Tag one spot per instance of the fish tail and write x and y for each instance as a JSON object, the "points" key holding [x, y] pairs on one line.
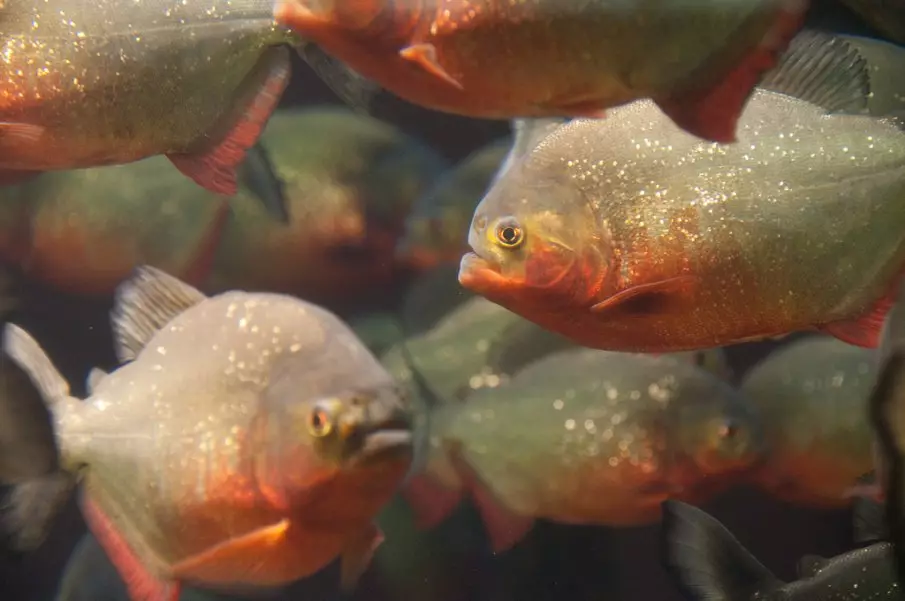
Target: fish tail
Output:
{"points": [[706, 561], [32, 391]]}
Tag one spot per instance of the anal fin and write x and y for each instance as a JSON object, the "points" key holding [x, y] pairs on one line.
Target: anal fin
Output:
{"points": [[431, 503], [215, 167], [712, 113], [505, 528], [141, 584], [865, 330]]}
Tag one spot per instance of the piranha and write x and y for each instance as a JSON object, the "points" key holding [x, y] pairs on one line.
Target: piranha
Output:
{"points": [[707, 562], [89, 83], [548, 58], [585, 437], [248, 441], [812, 397], [629, 234]]}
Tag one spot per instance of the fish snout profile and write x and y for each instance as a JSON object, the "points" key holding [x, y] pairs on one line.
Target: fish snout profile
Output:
{"points": [[376, 424]]}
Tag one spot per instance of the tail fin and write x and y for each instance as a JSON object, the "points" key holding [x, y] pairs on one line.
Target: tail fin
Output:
{"points": [[705, 561], [887, 416], [30, 454]]}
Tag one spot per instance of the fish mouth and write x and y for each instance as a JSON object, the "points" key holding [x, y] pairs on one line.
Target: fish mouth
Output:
{"points": [[390, 439], [477, 273]]}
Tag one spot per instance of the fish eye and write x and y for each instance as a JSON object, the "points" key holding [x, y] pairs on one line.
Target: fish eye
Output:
{"points": [[320, 422], [509, 233]]}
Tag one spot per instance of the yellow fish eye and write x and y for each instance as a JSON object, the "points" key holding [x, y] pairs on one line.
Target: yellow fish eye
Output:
{"points": [[509, 233], [320, 422]]}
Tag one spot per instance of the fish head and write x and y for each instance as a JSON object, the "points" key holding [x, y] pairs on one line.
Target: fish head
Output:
{"points": [[318, 443], [536, 247], [720, 434]]}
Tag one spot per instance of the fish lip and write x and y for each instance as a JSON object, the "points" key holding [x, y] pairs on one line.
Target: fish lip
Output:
{"points": [[476, 272], [384, 441]]}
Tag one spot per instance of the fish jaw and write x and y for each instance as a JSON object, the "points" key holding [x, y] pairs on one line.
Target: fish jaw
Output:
{"points": [[380, 444], [479, 275]]}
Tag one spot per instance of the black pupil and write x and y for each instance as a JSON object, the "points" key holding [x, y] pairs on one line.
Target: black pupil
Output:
{"points": [[731, 430], [509, 234], [318, 420]]}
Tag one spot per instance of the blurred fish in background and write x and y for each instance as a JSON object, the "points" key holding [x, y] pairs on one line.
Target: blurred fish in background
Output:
{"points": [[812, 397], [436, 230], [348, 188]]}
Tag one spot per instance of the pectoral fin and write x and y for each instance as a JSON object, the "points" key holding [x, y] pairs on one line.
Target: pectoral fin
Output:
{"points": [[234, 557], [357, 556], [425, 56], [645, 298]]}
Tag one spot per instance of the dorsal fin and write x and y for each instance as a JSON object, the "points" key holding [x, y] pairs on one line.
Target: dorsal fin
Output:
{"points": [[526, 135], [823, 69], [94, 378], [144, 304]]}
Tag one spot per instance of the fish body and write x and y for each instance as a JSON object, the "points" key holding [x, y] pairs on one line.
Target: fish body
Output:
{"points": [[812, 396], [586, 437], [707, 562], [349, 181], [249, 442], [89, 83], [435, 229], [629, 234], [496, 59], [347, 194]]}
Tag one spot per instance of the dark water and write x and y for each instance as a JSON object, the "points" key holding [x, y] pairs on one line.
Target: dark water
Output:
{"points": [[555, 562]]}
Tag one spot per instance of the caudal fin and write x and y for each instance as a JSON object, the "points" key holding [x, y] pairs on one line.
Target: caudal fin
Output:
{"points": [[705, 561], [30, 388]]}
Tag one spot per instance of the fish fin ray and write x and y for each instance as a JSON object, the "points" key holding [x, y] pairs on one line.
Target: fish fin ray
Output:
{"points": [[94, 379], [823, 69], [232, 556], [637, 294], [425, 56], [712, 113], [140, 582], [870, 520], [431, 503], [144, 304], [30, 507], [357, 555], [705, 560], [864, 331], [215, 168], [505, 528]]}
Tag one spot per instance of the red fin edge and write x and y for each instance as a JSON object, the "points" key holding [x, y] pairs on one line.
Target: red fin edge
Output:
{"points": [[866, 330], [505, 528], [431, 503], [713, 113], [215, 169], [142, 586]]}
